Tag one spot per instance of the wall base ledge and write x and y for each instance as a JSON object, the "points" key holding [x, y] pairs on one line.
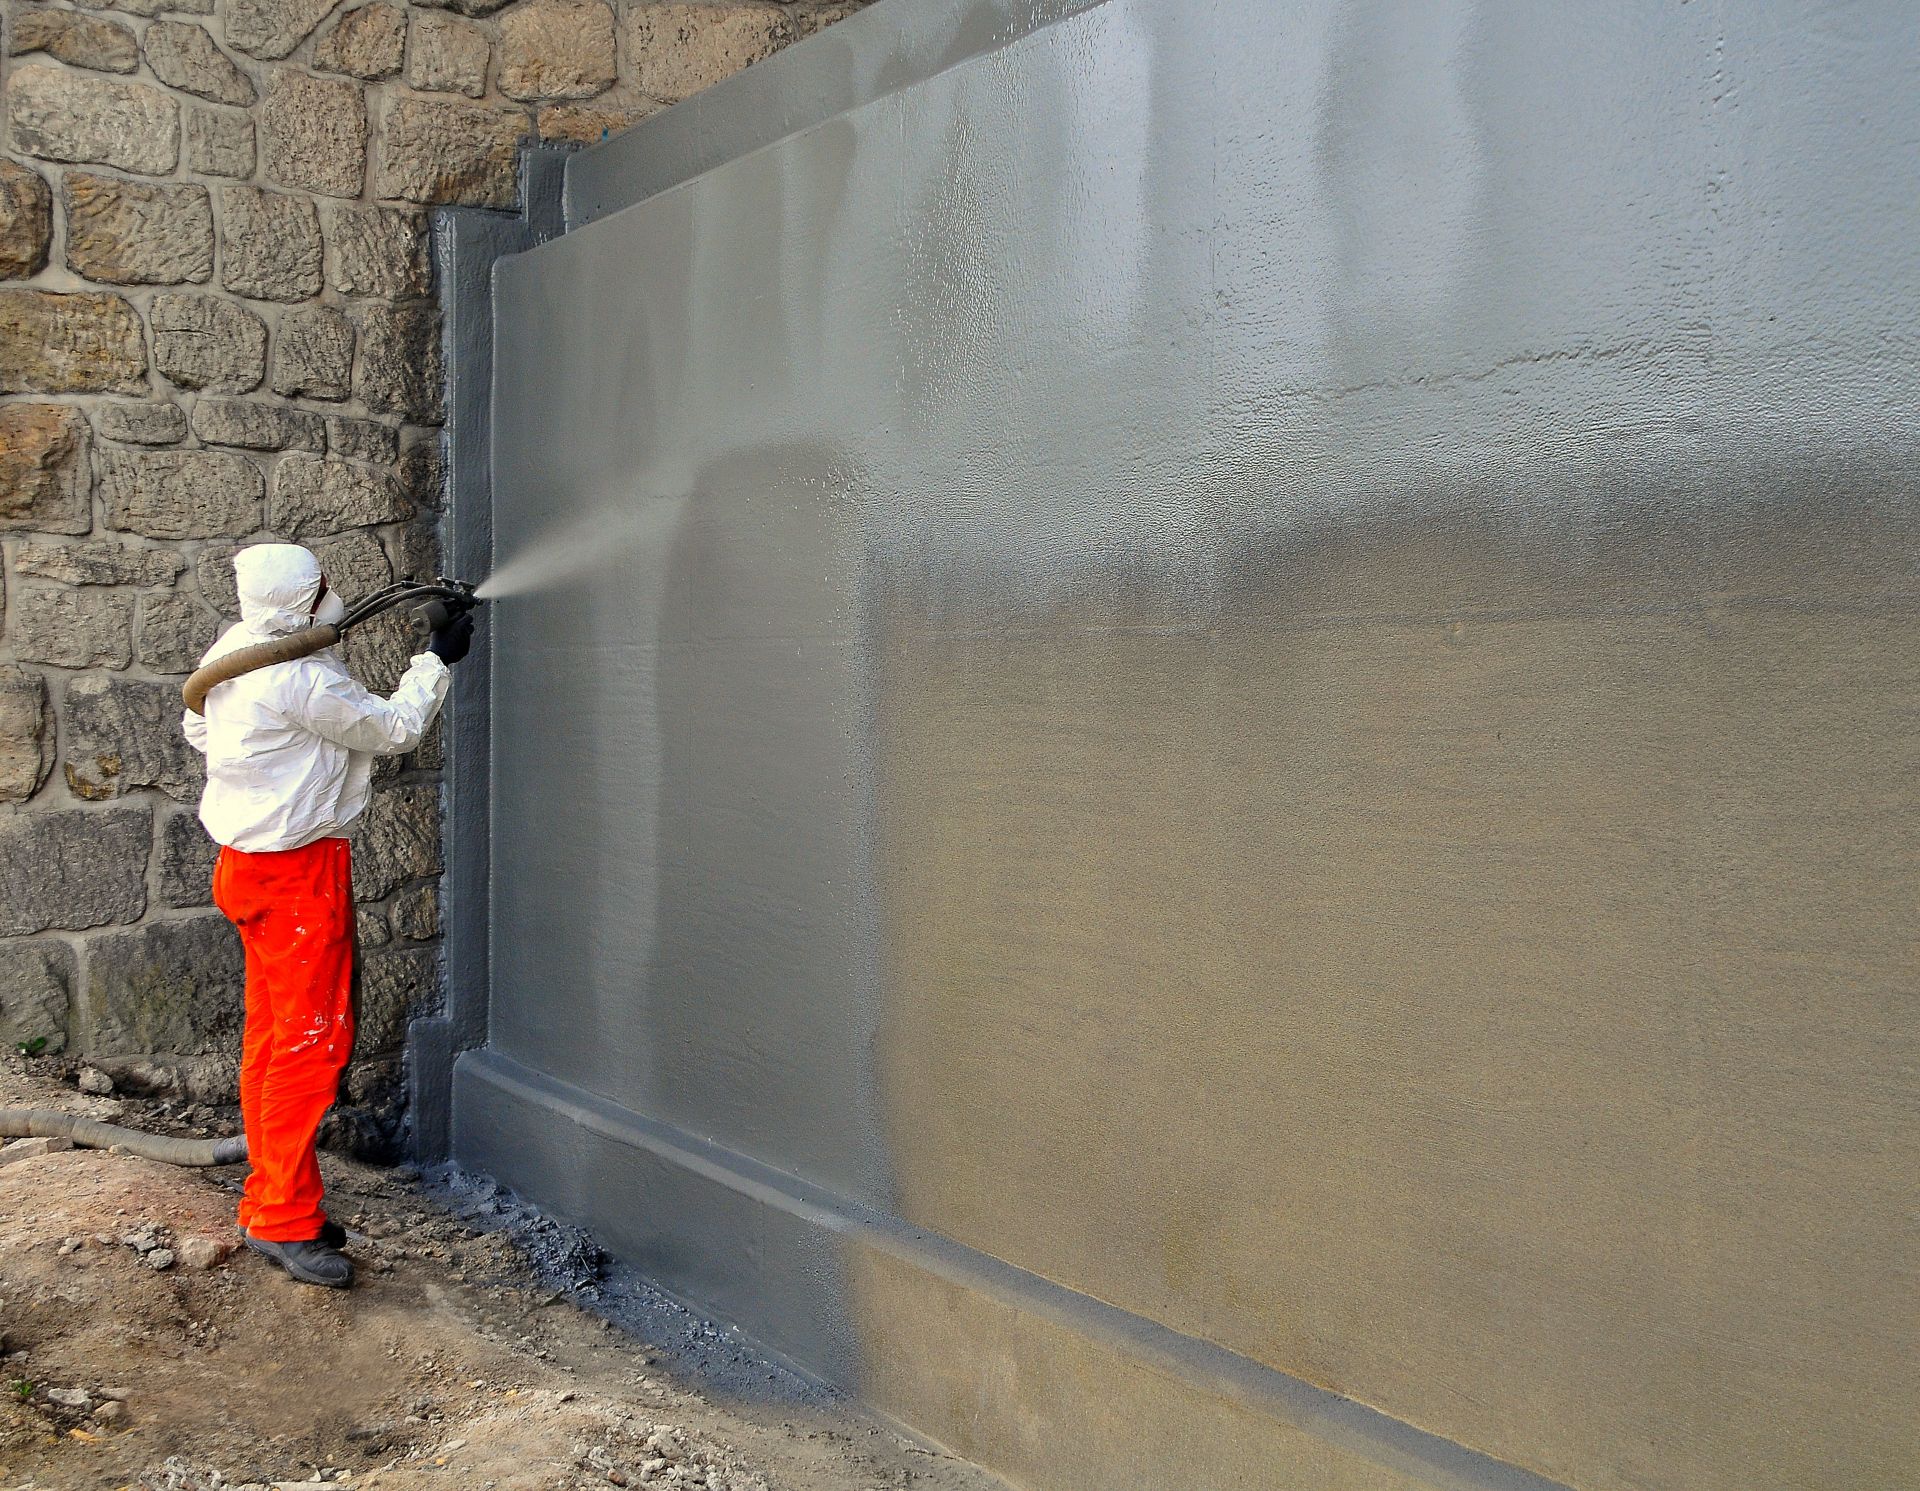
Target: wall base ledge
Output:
{"points": [[911, 1323]]}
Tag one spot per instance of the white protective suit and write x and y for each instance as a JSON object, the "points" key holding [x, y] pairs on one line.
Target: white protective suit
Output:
{"points": [[290, 747]]}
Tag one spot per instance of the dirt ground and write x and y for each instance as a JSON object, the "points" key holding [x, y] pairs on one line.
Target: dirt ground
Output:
{"points": [[479, 1349]]}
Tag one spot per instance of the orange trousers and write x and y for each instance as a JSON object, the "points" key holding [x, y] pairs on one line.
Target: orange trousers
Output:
{"points": [[294, 909]]}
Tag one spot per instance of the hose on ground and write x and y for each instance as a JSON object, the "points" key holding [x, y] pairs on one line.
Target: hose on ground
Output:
{"points": [[90, 1133]]}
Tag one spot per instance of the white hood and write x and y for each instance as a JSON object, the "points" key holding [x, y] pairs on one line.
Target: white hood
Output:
{"points": [[277, 584]]}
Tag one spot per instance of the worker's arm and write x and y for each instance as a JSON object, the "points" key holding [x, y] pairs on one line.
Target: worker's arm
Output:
{"points": [[195, 728], [336, 708]]}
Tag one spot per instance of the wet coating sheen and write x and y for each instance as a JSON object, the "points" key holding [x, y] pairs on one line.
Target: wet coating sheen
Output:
{"points": [[1271, 676]]}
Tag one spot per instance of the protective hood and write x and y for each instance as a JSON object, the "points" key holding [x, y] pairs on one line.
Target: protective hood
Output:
{"points": [[277, 583]]}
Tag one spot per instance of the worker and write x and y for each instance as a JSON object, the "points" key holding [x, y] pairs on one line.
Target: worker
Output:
{"points": [[290, 751]]}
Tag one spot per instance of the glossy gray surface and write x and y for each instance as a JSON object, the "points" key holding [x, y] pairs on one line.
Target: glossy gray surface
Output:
{"points": [[1260, 659]]}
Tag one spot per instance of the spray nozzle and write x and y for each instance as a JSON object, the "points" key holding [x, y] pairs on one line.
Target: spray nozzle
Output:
{"points": [[446, 599]]}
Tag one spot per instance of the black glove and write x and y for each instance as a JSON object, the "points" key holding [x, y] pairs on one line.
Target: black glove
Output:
{"points": [[451, 641]]}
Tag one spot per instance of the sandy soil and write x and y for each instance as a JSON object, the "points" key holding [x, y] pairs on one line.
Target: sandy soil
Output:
{"points": [[479, 1348]]}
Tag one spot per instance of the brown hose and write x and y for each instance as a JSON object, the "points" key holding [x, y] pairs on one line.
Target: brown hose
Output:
{"points": [[89, 1133], [261, 655]]}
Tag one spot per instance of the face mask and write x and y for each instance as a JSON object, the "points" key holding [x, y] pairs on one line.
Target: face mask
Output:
{"points": [[331, 608]]}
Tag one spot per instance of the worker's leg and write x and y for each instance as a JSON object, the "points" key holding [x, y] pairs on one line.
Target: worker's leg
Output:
{"points": [[232, 887], [296, 916]]}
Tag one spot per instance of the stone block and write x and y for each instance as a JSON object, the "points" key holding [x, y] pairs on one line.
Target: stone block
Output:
{"points": [[155, 7], [124, 733], [72, 116], [219, 143], [72, 628], [318, 495], [383, 253], [378, 654], [26, 733], [433, 152], [182, 55], [415, 913], [85, 343], [423, 470], [815, 18], [677, 50], [98, 562], [400, 365], [176, 987], [213, 574], [201, 341], [363, 440], [45, 481], [73, 869], [589, 124], [271, 244], [26, 221], [75, 39], [396, 840], [313, 133], [156, 423], [396, 985], [176, 494], [187, 857], [354, 564], [464, 7], [557, 49], [313, 353], [370, 926], [36, 988], [417, 550], [255, 424], [135, 233], [445, 55], [369, 42], [270, 29], [174, 632]]}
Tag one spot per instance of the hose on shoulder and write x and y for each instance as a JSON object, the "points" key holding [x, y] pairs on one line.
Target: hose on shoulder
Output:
{"points": [[285, 649], [436, 602], [90, 1133]]}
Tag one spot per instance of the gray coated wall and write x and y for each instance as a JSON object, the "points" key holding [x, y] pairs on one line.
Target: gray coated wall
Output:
{"points": [[1247, 742]]}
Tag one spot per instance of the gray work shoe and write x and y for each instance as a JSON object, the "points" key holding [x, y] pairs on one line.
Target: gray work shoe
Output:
{"points": [[331, 1233], [309, 1262]]}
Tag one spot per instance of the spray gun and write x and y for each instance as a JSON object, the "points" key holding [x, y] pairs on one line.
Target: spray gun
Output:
{"points": [[434, 604]]}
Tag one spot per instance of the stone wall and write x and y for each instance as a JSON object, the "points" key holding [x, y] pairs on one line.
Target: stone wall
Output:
{"points": [[218, 326]]}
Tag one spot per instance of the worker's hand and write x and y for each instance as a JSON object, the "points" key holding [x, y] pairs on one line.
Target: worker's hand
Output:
{"points": [[450, 642]]}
